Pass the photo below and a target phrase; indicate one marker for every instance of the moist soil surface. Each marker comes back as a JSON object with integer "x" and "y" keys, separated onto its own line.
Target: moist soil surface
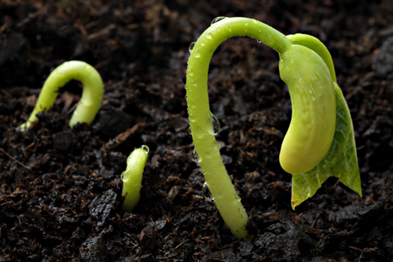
{"x": 60, "y": 188}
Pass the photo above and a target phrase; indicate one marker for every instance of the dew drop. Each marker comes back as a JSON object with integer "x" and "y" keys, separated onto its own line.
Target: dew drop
{"x": 206, "y": 193}
{"x": 194, "y": 156}
{"x": 209, "y": 36}
{"x": 145, "y": 148}
{"x": 217, "y": 19}
{"x": 197, "y": 53}
{"x": 198, "y": 132}
{"x": 313, "y": 98}
{"x": 215, "y": 146}
{"x": 191, "y": 47}
{"x": 191, "y": 117}
{"x": 258, "y": 41}
{"x": 268, "y": 39}
{"x": 189, "y": 130}
{"x": 215, "y": 124}
{"x": 310, "y": 91}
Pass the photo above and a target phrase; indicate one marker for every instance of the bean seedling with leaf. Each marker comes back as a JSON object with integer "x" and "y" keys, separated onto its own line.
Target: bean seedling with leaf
{"x": 320, "y": 140}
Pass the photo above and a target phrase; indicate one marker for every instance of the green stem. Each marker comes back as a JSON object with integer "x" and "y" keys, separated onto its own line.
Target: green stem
{"x": 200, "y": 117}
{"x": 92, "y": 94}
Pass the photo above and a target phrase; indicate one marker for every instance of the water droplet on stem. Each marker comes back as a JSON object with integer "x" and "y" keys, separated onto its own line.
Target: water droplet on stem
{"x": 194, "y": 156}
{"x": 191, "y": 47}
{"x": 197, "y": 53}
{"x": 145, "y": 148}
{"x": 217, "y": 19}
{"x": 215, "y": 125}
{"x": 206, "y": 193}
{"x": 198, "y": 132}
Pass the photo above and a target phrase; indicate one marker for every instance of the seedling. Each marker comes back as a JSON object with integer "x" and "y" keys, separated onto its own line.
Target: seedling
{"x": 92, "y": 94}
{"x": 320, "y": 140}
{"x": 132, "y": 177}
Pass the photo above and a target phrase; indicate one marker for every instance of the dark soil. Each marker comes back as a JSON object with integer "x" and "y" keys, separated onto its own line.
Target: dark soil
{"x": 60, "y": 187}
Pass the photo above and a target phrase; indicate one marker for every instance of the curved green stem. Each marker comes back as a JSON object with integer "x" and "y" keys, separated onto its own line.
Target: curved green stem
{"x": 92, "y": 94}
{"x": 200, "y": 117}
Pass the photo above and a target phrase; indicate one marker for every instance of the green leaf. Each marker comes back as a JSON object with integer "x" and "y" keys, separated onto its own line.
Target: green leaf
{"x": 340, "y": 161}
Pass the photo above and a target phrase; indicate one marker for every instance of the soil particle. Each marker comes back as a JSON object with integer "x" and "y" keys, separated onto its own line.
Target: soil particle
{"x": 287, "y": 245}
{"x": 382, "y": 62}
{"x": 112, "y": 122}
{"x": 101, "y": 206}
{"x": 94, "y": 249}
{"x": 64, "y": 141}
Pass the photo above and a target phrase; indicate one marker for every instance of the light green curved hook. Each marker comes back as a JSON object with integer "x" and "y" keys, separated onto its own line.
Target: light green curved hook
{"x": 92, "y": 94}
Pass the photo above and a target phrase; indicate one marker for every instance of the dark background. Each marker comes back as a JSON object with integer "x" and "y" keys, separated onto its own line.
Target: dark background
{"x": 60, "y": 187}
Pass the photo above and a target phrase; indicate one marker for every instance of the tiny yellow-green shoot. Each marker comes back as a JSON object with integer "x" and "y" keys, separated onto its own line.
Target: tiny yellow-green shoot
{"x": 132, "y": 177}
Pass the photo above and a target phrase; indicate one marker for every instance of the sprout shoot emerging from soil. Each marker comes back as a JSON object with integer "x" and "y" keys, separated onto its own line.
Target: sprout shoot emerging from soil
{"x": 92, "y": 94}
{"x": 320, "y": 140}
{"x": 132, "y": 177}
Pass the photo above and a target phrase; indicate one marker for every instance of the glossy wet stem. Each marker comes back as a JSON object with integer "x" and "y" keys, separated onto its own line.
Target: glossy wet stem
{"x": 200, "y": 117}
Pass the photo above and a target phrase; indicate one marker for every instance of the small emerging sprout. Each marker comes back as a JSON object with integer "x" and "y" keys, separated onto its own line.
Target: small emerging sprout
{"x": 320, "y": 140}
{"x": 92, "y": 94}
{"x": 132, "y": 177}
